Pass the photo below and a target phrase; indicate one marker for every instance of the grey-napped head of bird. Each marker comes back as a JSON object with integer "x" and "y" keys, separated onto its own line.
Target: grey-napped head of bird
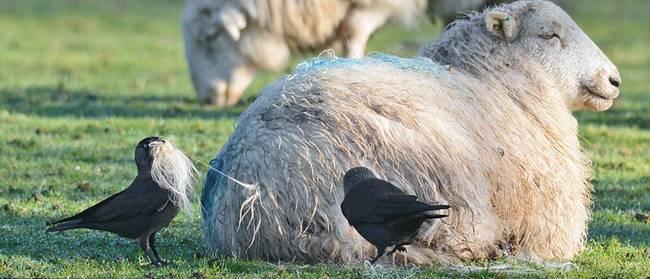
{"x": 143, "y": 154}
{"x": 354, "y": 175}
{"x": 173, "y": 171}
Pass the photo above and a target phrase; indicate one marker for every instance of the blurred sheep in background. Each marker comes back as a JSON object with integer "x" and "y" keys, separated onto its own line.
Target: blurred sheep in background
{"x": 228, "y": 41}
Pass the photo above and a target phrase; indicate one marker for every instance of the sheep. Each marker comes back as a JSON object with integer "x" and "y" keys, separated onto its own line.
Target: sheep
{"x": 228, "y": 41}
{"x": 481, "y": 120}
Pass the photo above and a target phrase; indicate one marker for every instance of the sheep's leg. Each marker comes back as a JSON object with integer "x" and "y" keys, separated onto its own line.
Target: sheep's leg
{"x": 357, "y": 28}
{"x": 476, "y": 239}
{"x": 556, "y": 231}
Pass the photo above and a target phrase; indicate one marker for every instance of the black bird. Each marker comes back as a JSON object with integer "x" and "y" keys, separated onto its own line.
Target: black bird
{"x": 382, "y": 213}
{"x": 142, "y": 209}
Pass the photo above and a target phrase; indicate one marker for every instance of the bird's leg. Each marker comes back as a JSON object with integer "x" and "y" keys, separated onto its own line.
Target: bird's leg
{"x": 152, "y": 241}
{"x": 398, "y": 247}
{"x": 380, "y": 252}
{"x": 144, "y": 244}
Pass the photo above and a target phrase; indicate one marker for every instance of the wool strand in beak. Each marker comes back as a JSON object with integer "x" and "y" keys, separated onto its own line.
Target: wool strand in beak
{"x": 173, "y": 171}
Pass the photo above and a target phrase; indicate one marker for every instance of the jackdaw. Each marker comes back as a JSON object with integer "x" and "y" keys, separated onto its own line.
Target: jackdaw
{"x": 159, "y": 191}
{"x": 381, "y": 213}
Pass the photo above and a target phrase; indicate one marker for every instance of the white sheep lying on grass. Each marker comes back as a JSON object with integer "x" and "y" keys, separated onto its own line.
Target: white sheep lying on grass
{"x": 481, "y": 121}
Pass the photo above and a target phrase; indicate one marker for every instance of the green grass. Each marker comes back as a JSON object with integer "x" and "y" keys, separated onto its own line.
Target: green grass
{"x": 82, "y": 81}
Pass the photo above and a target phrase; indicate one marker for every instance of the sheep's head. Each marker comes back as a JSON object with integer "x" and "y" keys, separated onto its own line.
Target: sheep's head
{"x": 224, "y": 53}
{"x": 554, "y": 41}
{"x": 203, "y": 16}
{"x": 219, "y": 72}
{"x": 218, "y": 69}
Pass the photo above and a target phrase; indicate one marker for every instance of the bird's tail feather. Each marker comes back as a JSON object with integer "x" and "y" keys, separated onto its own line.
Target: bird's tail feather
{"x": 432, "y": 207}
{"x": 64, "y": 226}
{"x": 435, "y": 216}
{"x": 437, "y": 206}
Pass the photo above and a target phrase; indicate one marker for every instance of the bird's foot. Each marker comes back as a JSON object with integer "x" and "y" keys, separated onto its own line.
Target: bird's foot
{"x": 161, "y": 262}
{"x": 155, "y": 261}
{"x": 399, "y": 248}
{"x": 152, "y": 263}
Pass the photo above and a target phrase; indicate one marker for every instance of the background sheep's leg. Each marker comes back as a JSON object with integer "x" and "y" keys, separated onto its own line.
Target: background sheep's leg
{"x": 357, "y": 28}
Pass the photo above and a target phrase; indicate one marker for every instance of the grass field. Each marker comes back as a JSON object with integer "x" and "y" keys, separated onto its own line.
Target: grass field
{"x": 82, "y": 81}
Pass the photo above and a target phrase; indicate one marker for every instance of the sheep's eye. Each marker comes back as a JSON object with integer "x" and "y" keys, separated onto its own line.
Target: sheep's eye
{"x": 206, "y": 12}
{"x": 549, "y": 36}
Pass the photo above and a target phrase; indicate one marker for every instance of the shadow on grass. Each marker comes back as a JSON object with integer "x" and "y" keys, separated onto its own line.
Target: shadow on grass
{"x": 622, "y": 194}
{"x": 626, "y": 117}
{"x": 181, "y": 242}
{"x": 26, "y": 236}
{"x": 59, "y": 102}
{"x": 635, "y": 234}
{"x": 615, "y": 202}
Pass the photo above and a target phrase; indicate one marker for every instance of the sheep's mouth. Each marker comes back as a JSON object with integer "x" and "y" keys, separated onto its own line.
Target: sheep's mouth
{"x": 595, "y": 94}
{"x": 597, "y": 101}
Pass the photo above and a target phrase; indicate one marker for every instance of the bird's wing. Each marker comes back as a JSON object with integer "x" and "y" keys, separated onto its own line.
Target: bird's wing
{"x": 406, "y": 226}
{"x": 142, "y": 197}
{"x": 375, "y": 200}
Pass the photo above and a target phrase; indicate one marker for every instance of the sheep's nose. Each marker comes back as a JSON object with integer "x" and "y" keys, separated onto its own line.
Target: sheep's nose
{"x": 615, "y": 81}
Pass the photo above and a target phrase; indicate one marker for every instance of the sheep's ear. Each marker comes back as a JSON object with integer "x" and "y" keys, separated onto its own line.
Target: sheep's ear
{"x": 232, "y": 20}
{"x": 502, "y": 24}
